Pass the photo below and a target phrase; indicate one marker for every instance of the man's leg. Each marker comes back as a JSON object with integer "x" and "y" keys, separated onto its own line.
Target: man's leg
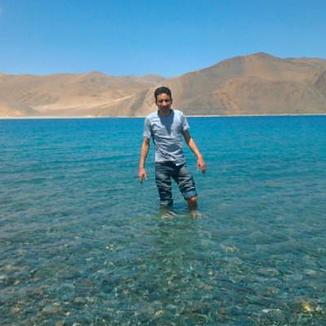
{"x": 164, "y": 185}
{"x": 186, "y": 184}
{"x": 192, "y": 203}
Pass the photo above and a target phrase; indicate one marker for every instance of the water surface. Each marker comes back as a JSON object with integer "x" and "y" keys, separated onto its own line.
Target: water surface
{"x": 82, "y": 241}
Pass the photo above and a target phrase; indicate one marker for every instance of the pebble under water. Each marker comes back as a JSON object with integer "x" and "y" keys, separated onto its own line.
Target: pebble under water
{"x": 83, "y": 242}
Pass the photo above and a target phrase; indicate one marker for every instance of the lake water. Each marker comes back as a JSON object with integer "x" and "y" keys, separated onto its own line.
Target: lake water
{"x": 83, "y": 243}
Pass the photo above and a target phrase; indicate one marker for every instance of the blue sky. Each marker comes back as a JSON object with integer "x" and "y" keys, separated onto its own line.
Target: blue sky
{"x": 168, "y": 37}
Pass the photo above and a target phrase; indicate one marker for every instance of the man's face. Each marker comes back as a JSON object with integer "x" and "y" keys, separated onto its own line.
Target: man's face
{"x": 164, "y": 102}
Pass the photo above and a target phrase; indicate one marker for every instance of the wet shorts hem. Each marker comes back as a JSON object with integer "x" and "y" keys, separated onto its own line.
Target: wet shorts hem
{"x": 189, "y": 194}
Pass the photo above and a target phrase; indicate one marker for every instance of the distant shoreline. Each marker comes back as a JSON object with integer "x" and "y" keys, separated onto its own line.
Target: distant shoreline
{"x": 142, "y": 117}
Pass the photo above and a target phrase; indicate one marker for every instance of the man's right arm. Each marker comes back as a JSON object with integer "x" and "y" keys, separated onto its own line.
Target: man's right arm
{"x": 143, "y": 155}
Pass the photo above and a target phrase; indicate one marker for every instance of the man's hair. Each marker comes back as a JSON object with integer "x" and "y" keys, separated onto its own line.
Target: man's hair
{"x": 162, "y": 90}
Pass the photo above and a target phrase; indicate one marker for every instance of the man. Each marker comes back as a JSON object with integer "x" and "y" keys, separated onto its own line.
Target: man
{"x": 166, "y": 127}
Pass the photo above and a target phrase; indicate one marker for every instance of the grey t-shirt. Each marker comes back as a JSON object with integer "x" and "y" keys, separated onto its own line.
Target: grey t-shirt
{"x": 166, "y": 133}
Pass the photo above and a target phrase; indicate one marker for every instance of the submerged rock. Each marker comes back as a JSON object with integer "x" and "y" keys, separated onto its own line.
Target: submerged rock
{"x": 3, "y": 278}
{"x": 272, "y": 316}
{"x": 268, "y": 271}
{"x": 230, "y": 249}
{"x": 52, "y": 308}
{"x": 80, "y": 300}
{"x": 59, "y": 323}
{"x": 309, "y": 307}
{"x": 310, "y": 272}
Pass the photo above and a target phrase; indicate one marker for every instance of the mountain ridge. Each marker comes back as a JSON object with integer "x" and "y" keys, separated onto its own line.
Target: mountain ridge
{"x": 258, "y": 83}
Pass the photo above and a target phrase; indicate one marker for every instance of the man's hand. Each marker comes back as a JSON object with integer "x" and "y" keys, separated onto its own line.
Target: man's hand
{"x": 142, "y": 175}
{"x": 201, "y": 164}
{"x": 192, "y": 145}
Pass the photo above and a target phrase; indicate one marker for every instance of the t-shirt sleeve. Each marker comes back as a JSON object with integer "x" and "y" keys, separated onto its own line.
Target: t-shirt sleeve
{"x": 147, "y": 129}
{"x": 184, "y": 123}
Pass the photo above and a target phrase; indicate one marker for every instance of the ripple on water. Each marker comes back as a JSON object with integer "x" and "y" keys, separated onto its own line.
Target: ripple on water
{"x": 82, "y": 242}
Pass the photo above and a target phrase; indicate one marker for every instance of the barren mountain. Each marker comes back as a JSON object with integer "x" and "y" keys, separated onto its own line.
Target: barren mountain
{"x": 254, "y": 84}
{"x": 66, "y": 94}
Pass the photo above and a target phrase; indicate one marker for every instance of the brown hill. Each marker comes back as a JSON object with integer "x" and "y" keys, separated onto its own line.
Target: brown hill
{"x": 66, "y": 94}
{"x": 254, "y": 84}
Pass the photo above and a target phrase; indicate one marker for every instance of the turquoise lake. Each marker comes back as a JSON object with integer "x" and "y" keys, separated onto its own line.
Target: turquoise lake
{"x": 83, "y": 243}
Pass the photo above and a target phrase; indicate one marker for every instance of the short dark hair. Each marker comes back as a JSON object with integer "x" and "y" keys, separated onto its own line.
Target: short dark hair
{"x": 162, "y": 90}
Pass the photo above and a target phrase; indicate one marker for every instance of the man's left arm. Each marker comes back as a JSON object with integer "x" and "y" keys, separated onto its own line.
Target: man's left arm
{"x": 192, "y": 145}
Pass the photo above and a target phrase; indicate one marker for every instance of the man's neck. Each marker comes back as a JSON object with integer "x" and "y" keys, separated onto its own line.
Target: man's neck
{"x": 164, "y": 113}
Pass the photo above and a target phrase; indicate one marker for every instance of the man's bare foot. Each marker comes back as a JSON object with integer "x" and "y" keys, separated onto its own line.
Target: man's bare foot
{"x": 167, "y": 213}
{"x": 195, "y": 214}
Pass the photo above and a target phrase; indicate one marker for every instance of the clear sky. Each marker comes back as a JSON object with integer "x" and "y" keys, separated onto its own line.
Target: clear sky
{"x": 167, "y": 37}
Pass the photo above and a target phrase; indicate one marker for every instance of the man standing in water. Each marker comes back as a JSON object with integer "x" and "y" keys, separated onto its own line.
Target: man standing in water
{"x": 166, "y": 127}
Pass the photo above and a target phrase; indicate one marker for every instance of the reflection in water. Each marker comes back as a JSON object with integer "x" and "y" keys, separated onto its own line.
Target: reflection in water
{"x": 175, "y": 275}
